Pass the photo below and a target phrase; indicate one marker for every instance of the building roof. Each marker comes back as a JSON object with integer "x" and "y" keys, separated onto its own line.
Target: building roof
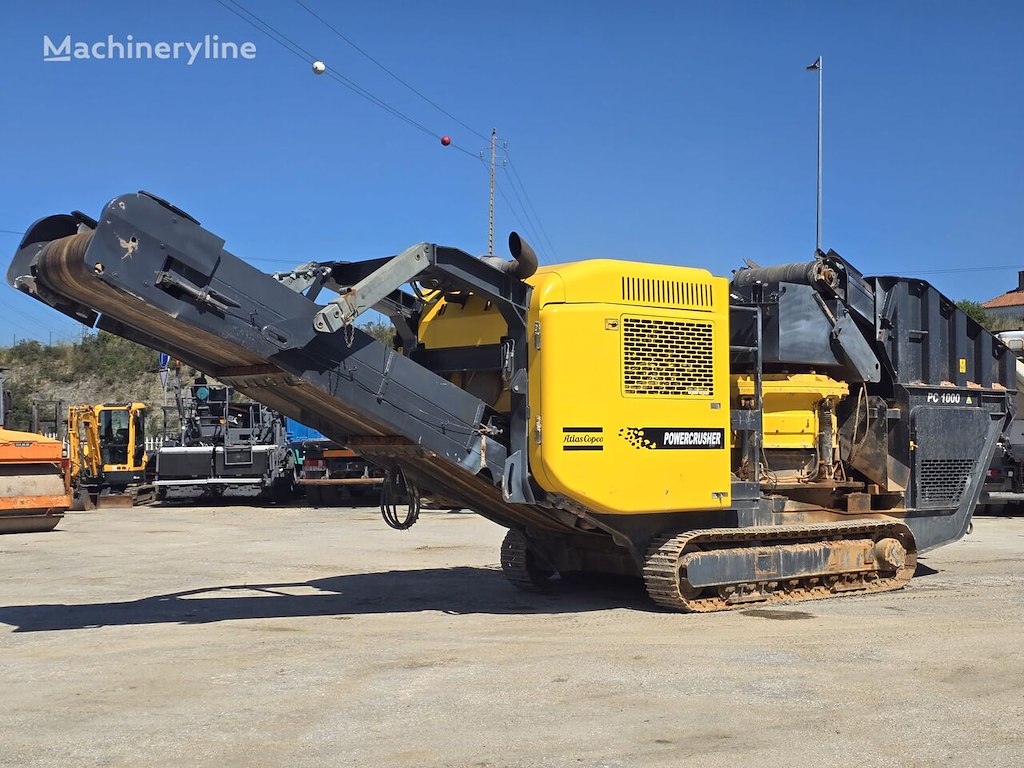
{"x": 1014, "y": 298}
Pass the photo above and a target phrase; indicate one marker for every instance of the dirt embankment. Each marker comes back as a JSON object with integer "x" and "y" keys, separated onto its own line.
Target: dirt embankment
{"x": 100, "y": 368}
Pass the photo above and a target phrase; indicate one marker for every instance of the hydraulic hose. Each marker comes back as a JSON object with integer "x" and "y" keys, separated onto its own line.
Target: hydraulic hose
{"x": 395, "y": 486}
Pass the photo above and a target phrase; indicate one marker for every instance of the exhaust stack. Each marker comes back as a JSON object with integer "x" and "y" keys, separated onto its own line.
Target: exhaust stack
{"x": 523, "y": 262}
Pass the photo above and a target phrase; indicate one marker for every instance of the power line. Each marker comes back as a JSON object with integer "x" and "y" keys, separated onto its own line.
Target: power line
{"x": 511, "y": 207}
{"x": 267, "y": 29}
{"x": 378, "y": 102}
{"x": 297, "y": 50}
{"x": 504, "y": 197}
{"x": 308, "y": 57}
{"x": 540, "y": 229}
{"x": 530, "y": 229}
{"x": 42, "y": 319}
{"x": 302, "y": 53}
{"x": 11, "y": 321}
{"x": 41, "y": 316}
{"x": 40, "y": 329}
{"x": 1015, "y": 267}
{"x": 419, "y": 93}
{"x": 45, "y": 323}
{"x": 543, "y": 230}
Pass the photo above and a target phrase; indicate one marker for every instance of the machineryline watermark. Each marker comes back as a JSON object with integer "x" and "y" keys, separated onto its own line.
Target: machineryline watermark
{"x": 209, "y": 48}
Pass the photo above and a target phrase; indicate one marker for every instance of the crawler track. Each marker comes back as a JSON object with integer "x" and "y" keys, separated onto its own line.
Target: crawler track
{"x": 852, "y": 564}
{"x": 520, "y": 566}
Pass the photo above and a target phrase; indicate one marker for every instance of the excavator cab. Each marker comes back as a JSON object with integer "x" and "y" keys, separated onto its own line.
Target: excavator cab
{"x": 109, "y": 462}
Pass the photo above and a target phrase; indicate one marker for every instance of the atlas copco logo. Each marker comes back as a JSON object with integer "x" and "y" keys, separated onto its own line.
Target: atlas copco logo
{"x": 209, "y": 48}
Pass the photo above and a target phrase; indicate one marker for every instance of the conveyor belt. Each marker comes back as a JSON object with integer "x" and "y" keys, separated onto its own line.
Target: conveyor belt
{"x": 62, "y": 269}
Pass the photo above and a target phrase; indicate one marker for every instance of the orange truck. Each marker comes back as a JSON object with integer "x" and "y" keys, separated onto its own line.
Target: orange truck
{"x": 35, "y": 480}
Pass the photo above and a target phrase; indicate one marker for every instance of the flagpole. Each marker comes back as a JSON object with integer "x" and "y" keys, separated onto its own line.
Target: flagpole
{"x": 817, "y": 65}
{"x": 820, "y": 76}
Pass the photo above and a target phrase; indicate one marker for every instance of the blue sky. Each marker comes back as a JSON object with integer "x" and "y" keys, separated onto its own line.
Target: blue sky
{"x": 677, "y": 132}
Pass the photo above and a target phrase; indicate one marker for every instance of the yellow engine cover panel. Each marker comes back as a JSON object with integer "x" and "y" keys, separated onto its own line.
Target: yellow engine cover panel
{"x": 467, "y": 323}
{"x": 630, "y": 396}
{"x": 790, "y": 413}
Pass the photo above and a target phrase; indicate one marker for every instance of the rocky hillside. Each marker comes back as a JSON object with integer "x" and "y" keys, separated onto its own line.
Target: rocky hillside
{"x": 100, "y": 368}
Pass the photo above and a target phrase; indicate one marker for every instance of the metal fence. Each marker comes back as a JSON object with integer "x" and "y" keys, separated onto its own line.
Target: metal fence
{"x": 152, "y": 443}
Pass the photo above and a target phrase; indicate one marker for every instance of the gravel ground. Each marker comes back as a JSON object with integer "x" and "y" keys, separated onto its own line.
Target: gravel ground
{"x": 237, "y": 636}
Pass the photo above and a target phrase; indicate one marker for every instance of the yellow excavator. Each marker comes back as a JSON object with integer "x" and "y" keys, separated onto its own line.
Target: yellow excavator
{"x": 107, "y": 449}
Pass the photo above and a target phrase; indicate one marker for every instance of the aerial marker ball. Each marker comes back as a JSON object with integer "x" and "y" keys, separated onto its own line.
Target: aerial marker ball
{"x": 446, "y": 140}
{"x": 319, "y": 67}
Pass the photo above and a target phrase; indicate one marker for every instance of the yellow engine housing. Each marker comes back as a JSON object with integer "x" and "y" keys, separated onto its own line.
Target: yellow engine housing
{"x": 629, "y": 382}
{"x": 790, "y": 415}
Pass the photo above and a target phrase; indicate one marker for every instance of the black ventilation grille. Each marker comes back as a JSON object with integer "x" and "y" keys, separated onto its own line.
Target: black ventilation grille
{"x": 674, "y": 293}
{"x": 942, "y": 482}
{"x": 667, "y": 358}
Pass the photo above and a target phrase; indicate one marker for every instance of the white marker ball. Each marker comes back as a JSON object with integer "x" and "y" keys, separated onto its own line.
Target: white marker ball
{"x": 319, "y": 67}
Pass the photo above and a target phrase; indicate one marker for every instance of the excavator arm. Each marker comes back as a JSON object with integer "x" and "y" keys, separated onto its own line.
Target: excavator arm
{"x": 84, "y": 442}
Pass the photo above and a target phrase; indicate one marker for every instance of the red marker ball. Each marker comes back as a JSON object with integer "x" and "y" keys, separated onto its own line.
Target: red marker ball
{"x": 446, "y": 140}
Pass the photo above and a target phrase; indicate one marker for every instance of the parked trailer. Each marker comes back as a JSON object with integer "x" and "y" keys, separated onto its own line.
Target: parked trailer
{"x": 1004, "y": 487}
{"x": 329, "y": 473}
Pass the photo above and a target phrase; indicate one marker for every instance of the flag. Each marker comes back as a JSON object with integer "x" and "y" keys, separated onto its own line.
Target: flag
{"x": 815, "y": 65}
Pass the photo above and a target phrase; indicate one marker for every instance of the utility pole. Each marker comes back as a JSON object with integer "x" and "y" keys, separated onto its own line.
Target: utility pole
{"x": 490, "y": 220}
{"x": 817, "y": 65}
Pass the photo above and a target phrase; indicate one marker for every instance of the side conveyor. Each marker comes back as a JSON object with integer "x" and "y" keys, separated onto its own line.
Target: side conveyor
{"x": 151, "y": 273}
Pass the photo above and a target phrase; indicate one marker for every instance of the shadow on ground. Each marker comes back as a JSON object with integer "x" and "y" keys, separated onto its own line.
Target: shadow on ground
{"x": 450, "y": 590}
{"x": 240, "y": 499}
